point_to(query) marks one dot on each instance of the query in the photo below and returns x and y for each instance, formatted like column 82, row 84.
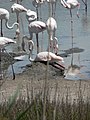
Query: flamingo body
column 18, row 8
column 4, row 41
column 37, row 27
column 51, row 26
column 45, row 56
column 4, row 14
column 70, row 4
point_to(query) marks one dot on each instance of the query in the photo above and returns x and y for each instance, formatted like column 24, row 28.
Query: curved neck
column 10, row 27
column 31, row 59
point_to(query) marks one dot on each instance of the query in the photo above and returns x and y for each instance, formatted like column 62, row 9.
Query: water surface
column 81, row 33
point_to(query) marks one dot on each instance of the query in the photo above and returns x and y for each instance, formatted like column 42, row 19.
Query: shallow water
column 81, row 32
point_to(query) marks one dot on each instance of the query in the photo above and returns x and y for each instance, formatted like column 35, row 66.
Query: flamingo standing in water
column 51, row 25
column 34, row 26
column 17, row 8
column 4, row 41
column 71, row 4
column 4, row 14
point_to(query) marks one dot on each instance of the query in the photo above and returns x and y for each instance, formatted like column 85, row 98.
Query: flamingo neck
column 11, row 27
column 30, row 58
column 30, row 47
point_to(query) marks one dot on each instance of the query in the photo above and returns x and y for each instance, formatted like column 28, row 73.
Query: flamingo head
column 31, row 15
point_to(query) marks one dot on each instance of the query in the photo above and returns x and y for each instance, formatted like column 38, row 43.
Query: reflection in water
column 85, row 3
column 85, row 23
column 72, row 72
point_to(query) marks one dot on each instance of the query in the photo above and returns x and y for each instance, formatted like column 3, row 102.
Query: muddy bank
column 33, row 79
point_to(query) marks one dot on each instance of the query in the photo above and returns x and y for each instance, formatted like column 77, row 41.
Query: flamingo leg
column 11, row 65
column 1, row 75
column 37, row 43
column 71, row 35
column 1, row 29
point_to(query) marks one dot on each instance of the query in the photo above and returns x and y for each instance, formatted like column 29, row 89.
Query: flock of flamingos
column 36, row 26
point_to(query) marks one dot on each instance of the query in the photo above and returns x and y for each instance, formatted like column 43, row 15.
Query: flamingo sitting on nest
column 45, row 56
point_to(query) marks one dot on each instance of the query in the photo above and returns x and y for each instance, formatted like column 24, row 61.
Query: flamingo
column 51, row 25
column 17, row 8
column 71, row 4
column 34, row 26
column 45, row 56
column 4, row 14
column 4, row 41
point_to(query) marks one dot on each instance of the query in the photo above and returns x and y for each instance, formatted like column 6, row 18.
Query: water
column 81, row 31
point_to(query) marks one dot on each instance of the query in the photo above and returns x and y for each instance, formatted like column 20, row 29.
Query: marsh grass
column 32, row 109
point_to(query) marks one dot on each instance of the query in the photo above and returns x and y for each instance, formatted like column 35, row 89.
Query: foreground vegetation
column 31, row 108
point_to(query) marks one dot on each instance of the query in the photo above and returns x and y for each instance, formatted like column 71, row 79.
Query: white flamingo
column 45, row 56
column 51, row 25
column 4, row 14
column 34, row 26
column 4, row 41
column 71, row 4
column 17, row 8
